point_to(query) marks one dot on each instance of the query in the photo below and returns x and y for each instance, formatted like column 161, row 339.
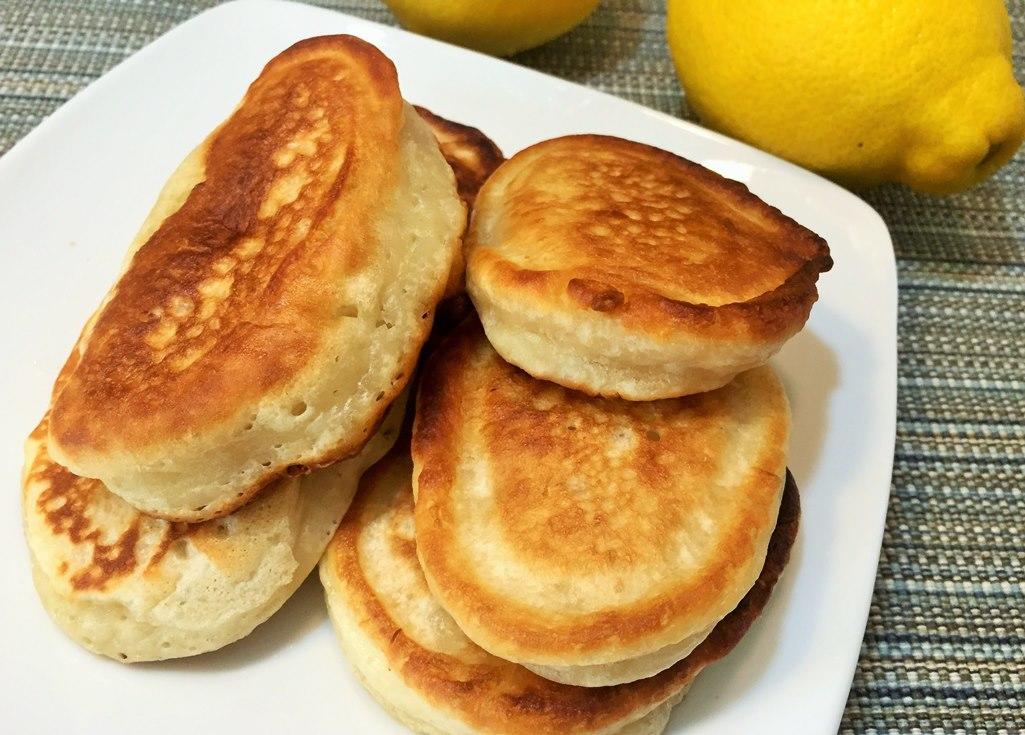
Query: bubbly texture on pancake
column 275, row 300
column 594, row 540
column 137, row 588
column 620, row 269
column 413, row 658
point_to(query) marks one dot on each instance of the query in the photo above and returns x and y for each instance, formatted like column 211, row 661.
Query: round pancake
column 593, row 540
column 136, row 588
column 275, row 300
column 619, row 269
column 413, row 658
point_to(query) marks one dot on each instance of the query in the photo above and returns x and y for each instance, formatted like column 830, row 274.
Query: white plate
column 72, row 194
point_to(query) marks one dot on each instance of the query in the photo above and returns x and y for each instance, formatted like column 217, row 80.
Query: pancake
column 276, row 298
column 595, row 541
column 473, row 157
column 413, row 658
column 619, row 269
column 137, row 588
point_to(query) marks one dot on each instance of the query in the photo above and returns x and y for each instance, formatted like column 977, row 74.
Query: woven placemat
column 945, row 645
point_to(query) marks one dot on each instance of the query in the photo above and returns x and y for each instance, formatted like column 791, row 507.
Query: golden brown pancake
column 594, row 541
column 472, row 155
column 619, row 269
column 275, row 300
column 137, row 588
column 414, row 659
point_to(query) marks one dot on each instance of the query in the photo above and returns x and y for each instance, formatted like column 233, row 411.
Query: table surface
column 944, row 650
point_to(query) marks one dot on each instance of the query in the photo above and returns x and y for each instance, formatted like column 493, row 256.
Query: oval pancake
column 619, row 269
column 595, row 541
column 413, row 658
column 276, row 298
column 137, row 588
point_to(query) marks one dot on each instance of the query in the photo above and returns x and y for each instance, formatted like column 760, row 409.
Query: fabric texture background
column 945, row 646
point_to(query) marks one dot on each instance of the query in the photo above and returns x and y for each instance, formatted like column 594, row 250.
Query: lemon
column 499, row 27
column 863, row 91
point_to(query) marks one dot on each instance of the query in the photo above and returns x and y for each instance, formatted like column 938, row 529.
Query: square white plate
column 72, row 194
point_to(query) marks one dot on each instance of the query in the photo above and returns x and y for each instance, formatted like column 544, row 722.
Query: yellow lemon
column 499, row 27
column 863, row 91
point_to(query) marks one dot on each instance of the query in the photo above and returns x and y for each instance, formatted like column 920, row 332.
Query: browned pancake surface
column 639, row 234
column 94, row 541
column 653, row 512
column 486, row 692
column 226, row 299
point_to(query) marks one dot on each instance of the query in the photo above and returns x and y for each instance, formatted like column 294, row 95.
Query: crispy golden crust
column 472, row 155
column 138, row 588
column 522, row 483
column 655, row 242
column 467, row 684
column 104, row 532
column 225, row 301
column 80, row 510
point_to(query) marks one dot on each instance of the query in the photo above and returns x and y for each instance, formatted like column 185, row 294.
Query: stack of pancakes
column 207, row 433
column 590, row 501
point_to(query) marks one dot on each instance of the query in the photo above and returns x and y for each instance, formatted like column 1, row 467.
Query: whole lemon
column 499, row 27
column 863, row 91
